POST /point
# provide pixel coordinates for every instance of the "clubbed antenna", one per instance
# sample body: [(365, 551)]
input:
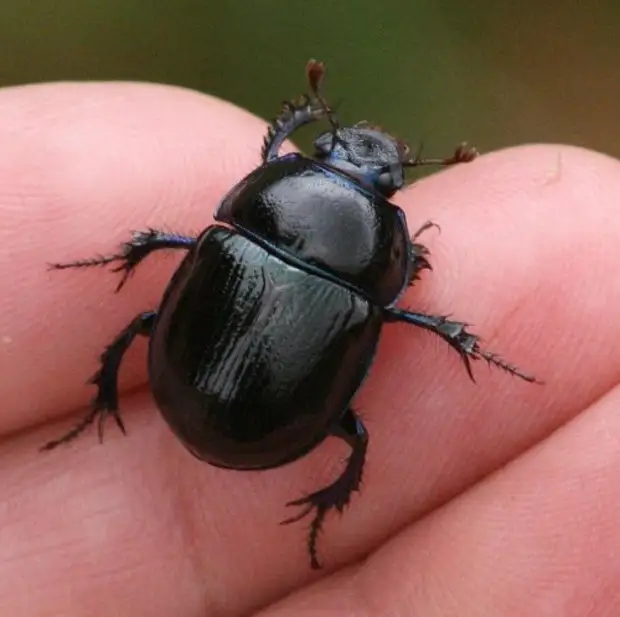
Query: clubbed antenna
[(464, 153)]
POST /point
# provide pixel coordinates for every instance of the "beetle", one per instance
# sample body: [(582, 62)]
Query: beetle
[(270, 324)]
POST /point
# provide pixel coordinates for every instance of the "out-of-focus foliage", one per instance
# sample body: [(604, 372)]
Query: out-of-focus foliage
[(493, 72)]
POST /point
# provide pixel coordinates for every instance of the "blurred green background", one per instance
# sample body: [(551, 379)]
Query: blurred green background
[(495, 73)]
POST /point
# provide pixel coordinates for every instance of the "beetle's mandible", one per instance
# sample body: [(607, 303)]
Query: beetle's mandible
[(270, 323)]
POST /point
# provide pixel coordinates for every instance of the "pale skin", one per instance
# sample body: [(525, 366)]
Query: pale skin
[(528, 254)]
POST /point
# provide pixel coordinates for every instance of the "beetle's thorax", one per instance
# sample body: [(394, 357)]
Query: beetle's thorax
[(319, 216)]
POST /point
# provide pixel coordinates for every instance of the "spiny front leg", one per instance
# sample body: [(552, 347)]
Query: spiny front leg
[(293, 116), (105, 402), (456, 335), (338, 494), (132, 252)]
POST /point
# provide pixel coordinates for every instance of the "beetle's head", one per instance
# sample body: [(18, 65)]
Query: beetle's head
[(373, 157), (367, 153)]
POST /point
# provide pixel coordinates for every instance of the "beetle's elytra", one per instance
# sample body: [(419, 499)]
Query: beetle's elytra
[(270, 323)]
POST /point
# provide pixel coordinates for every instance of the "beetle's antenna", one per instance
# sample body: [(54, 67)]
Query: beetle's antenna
[(462, 154), (316, 72)]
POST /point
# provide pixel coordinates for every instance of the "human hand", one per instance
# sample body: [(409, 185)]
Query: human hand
[(528, 254)]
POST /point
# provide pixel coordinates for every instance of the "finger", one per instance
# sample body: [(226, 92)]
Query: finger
[(527, 240), (80, 166), (430, 437), (537, 538)]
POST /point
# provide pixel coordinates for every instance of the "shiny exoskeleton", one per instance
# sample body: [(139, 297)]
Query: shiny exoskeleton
[(270, 323)]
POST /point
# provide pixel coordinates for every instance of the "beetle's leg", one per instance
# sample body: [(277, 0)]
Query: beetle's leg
[(463, 153), (456, 335), (132, 252), (291, 117), (337, 494), (294, 115), (105, 402), (418, 255)]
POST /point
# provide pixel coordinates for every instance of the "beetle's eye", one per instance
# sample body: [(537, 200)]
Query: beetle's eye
[(385, 180)]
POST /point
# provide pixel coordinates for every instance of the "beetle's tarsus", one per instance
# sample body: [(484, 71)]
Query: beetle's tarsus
[(132, 252), (494, 359), (455, 334), (338, 494), (74, 432), (105, 379), (315, 526), (98, 260)]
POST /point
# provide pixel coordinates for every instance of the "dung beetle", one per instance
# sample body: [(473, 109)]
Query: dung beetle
[(269, 325)]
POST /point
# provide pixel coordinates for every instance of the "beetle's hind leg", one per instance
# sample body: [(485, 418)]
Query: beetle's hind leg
[(133, 252), (455, 334), (338, 494), (105, 402)]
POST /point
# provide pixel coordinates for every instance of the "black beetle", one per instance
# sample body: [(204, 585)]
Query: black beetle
[(270, 323)]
